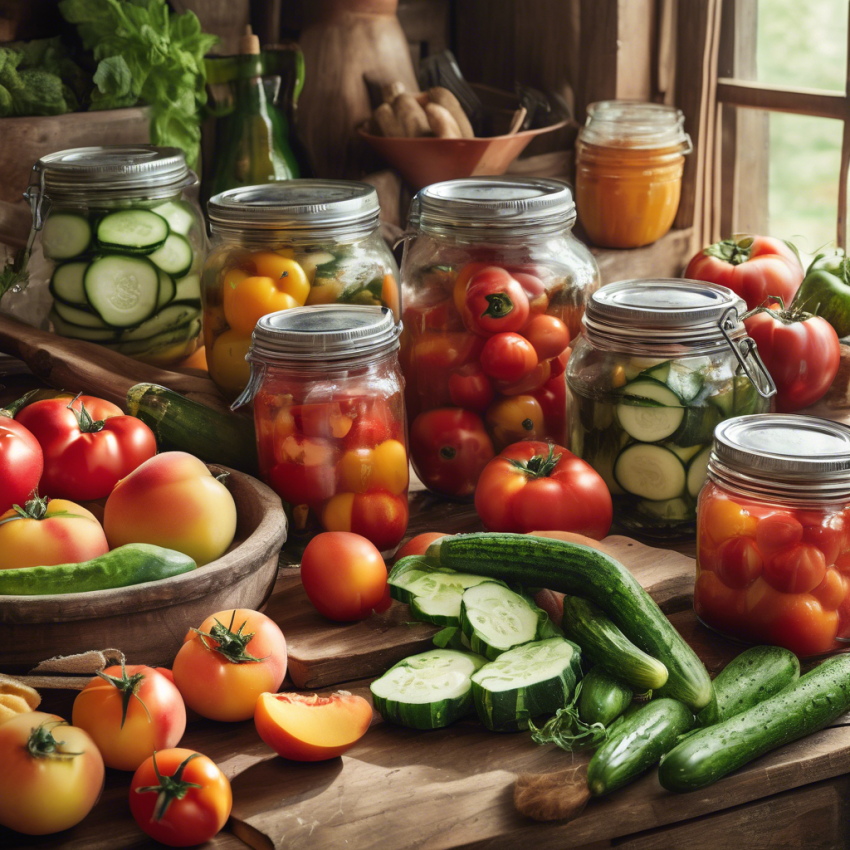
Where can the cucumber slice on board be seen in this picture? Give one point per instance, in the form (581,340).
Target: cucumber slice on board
(67,283)
(175,256)
(429,690)
(71,331)
(699,425)
(123,289)
(170,317)
(84,318)
(140,231)
(437,596)
(65,235)
(188,288)
(179,216)
(495,619)
(652,412)
(651,472)
(533,679)
(167,290)
(698,471)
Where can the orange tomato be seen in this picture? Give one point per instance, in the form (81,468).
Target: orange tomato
(53,531)
(378,515)
(288,275)
(384,467)
(225,664)
(418,545)
(390,295)
(724,518)
(130,712)
(795,569)
(251,299)
(52,773)
(228,366)
(172,500)
(514,418)
(832,591)
(307,727)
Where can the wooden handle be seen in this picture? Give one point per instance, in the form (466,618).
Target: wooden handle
(14,224)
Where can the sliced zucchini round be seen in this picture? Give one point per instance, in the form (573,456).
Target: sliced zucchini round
(156,344)
(65,235)
(72,331)
(167,319)
(669,510)
(175,256)
(495,619)
(188,288)
(179,216)
(651,472)
(167,290)
(698,471)
(124,290)
(67,283)
(649,411)
(84,318)
(140,231)
(437,596)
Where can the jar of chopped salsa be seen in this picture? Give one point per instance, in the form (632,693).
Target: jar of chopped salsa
(329,415)
(629,162)
(773,533)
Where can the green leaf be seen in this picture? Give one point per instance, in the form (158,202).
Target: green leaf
(113,77)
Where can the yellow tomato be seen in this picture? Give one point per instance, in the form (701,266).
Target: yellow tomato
(172,500)
(288,276)
(384,467)
(514,418)
(228,366)
(723,518)
(231,279)
(253,298)
(327,292)
(336,515)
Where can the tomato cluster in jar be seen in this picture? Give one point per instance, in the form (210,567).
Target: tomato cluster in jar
(773,574)
(340,463)
(484,358)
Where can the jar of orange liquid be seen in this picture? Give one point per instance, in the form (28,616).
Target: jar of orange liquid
(629,162)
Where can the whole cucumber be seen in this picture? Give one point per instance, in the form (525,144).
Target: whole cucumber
(135,563)
(640,740)
(811,703)
(603,698)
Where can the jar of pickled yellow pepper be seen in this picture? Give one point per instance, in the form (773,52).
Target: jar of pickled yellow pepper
(629,162)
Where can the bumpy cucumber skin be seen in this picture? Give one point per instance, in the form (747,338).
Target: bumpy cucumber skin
(641,739)
(425,716)
(811,703)
(607,647)
(757,674)
(135,563)
(603,698)
(580,570)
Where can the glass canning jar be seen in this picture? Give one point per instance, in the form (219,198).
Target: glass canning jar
(115,250)
(284,245)
(659,365)
(773,550)
(494,287)
(629,162)
(329,415)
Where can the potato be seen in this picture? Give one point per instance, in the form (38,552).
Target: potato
(387,122)
(443,97)
(441,121)
(411,116)
(391,91)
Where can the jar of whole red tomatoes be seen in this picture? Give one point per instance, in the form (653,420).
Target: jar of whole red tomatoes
(285,245)
(494,287)
(329,414)
(773,535)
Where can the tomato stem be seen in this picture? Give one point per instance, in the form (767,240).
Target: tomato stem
(499,304)
(42,744)
(734,251)
(84,420)
(12,409)
(232,645)
(786,316)
(170,788)
(34,508)
(129,686)
(539,466)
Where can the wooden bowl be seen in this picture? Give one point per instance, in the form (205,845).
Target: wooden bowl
(148,622)
(426,160)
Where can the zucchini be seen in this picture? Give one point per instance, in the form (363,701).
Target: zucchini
(80,316)
(436,596)
(135,563)
(123,290)
(65,235)
(72,331)
(685,380)
(140,231)
(698,472)
(167,290)
(427,691)
(603,698)
(608,648)
(188,288)
(406,571)
(667,511)
(649,411)
(757,674)
(811,703)
(575,569)
(529,680)
(637,744)
(67,283)
(181,424)
(651,472)
(179,216)
(167,319)
(699,424)
(175,257)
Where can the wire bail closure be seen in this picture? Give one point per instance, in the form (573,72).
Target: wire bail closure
(743,350)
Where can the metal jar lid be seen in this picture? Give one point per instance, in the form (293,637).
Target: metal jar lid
(497,205)
(305,206)
(638,125)
(791,457)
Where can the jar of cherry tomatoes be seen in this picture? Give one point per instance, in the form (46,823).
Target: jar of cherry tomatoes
(773,536)
(494,288)
(629,162)
(660,364)
(329,414)
(285,245)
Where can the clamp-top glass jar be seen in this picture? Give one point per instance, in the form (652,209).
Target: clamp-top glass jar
(285,245)
(494,288)
(329,413)
(659,365)
(773,551)
(629,162)
(117,244)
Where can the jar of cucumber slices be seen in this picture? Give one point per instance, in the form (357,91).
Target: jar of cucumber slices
(288,244)
(117,244)
(659,365)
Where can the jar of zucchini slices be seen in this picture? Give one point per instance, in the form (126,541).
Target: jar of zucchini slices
(659,365)
(288,244)
(117,244)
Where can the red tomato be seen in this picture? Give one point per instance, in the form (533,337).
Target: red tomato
(343,575)
(549,336)
(508,357)
(21,463)
(552,397)
(52,774)
(754,267)
(180,798)
(832,591)
(559,364)
(373,423)
(533,381)
(540,485)
(378,515)
(740,562)
(449,448)
(470,388)
(130,712)
(495,302)
(306,471)
(795,569)
(827,533)
(800,623)
(418,545)
(88,445)
(224,665)
(777,531)
(307,727)
(800,351)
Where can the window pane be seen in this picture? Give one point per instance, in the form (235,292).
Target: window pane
(802,44)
